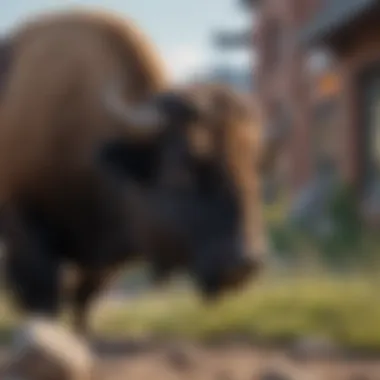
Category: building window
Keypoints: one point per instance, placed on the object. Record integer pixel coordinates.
(319, 61)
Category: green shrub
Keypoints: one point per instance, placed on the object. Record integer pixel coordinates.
(347, 244)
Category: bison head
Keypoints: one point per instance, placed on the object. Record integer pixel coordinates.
(202, 173)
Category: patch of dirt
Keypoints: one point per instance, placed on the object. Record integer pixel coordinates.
(232, 363)
(174, 361)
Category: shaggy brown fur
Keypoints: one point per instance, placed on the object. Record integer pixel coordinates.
(55, 69)
(52, 115)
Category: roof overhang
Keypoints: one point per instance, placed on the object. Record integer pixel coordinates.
(333, 19)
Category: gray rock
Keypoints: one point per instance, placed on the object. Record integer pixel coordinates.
(223, 375)
(314, 348)
(179, 358)
(360, 376)
(272, 374)
(43, 350)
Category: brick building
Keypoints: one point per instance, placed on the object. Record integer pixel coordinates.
(351, 30)
(318, 73)
(297, 87)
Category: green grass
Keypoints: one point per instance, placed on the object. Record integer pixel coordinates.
(346, 309)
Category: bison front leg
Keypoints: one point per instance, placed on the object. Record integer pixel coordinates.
(31, 267)
(87, 289)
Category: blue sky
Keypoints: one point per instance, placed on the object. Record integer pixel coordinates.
(180, 28)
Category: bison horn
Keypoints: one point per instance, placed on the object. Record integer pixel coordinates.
(146, 117)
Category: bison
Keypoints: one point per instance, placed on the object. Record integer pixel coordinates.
(102, 162)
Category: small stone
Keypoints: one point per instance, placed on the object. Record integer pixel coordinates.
(273, 374)
(42, 350)
(359, 376)
(179, 358)
(314, 348)
(223, 375)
